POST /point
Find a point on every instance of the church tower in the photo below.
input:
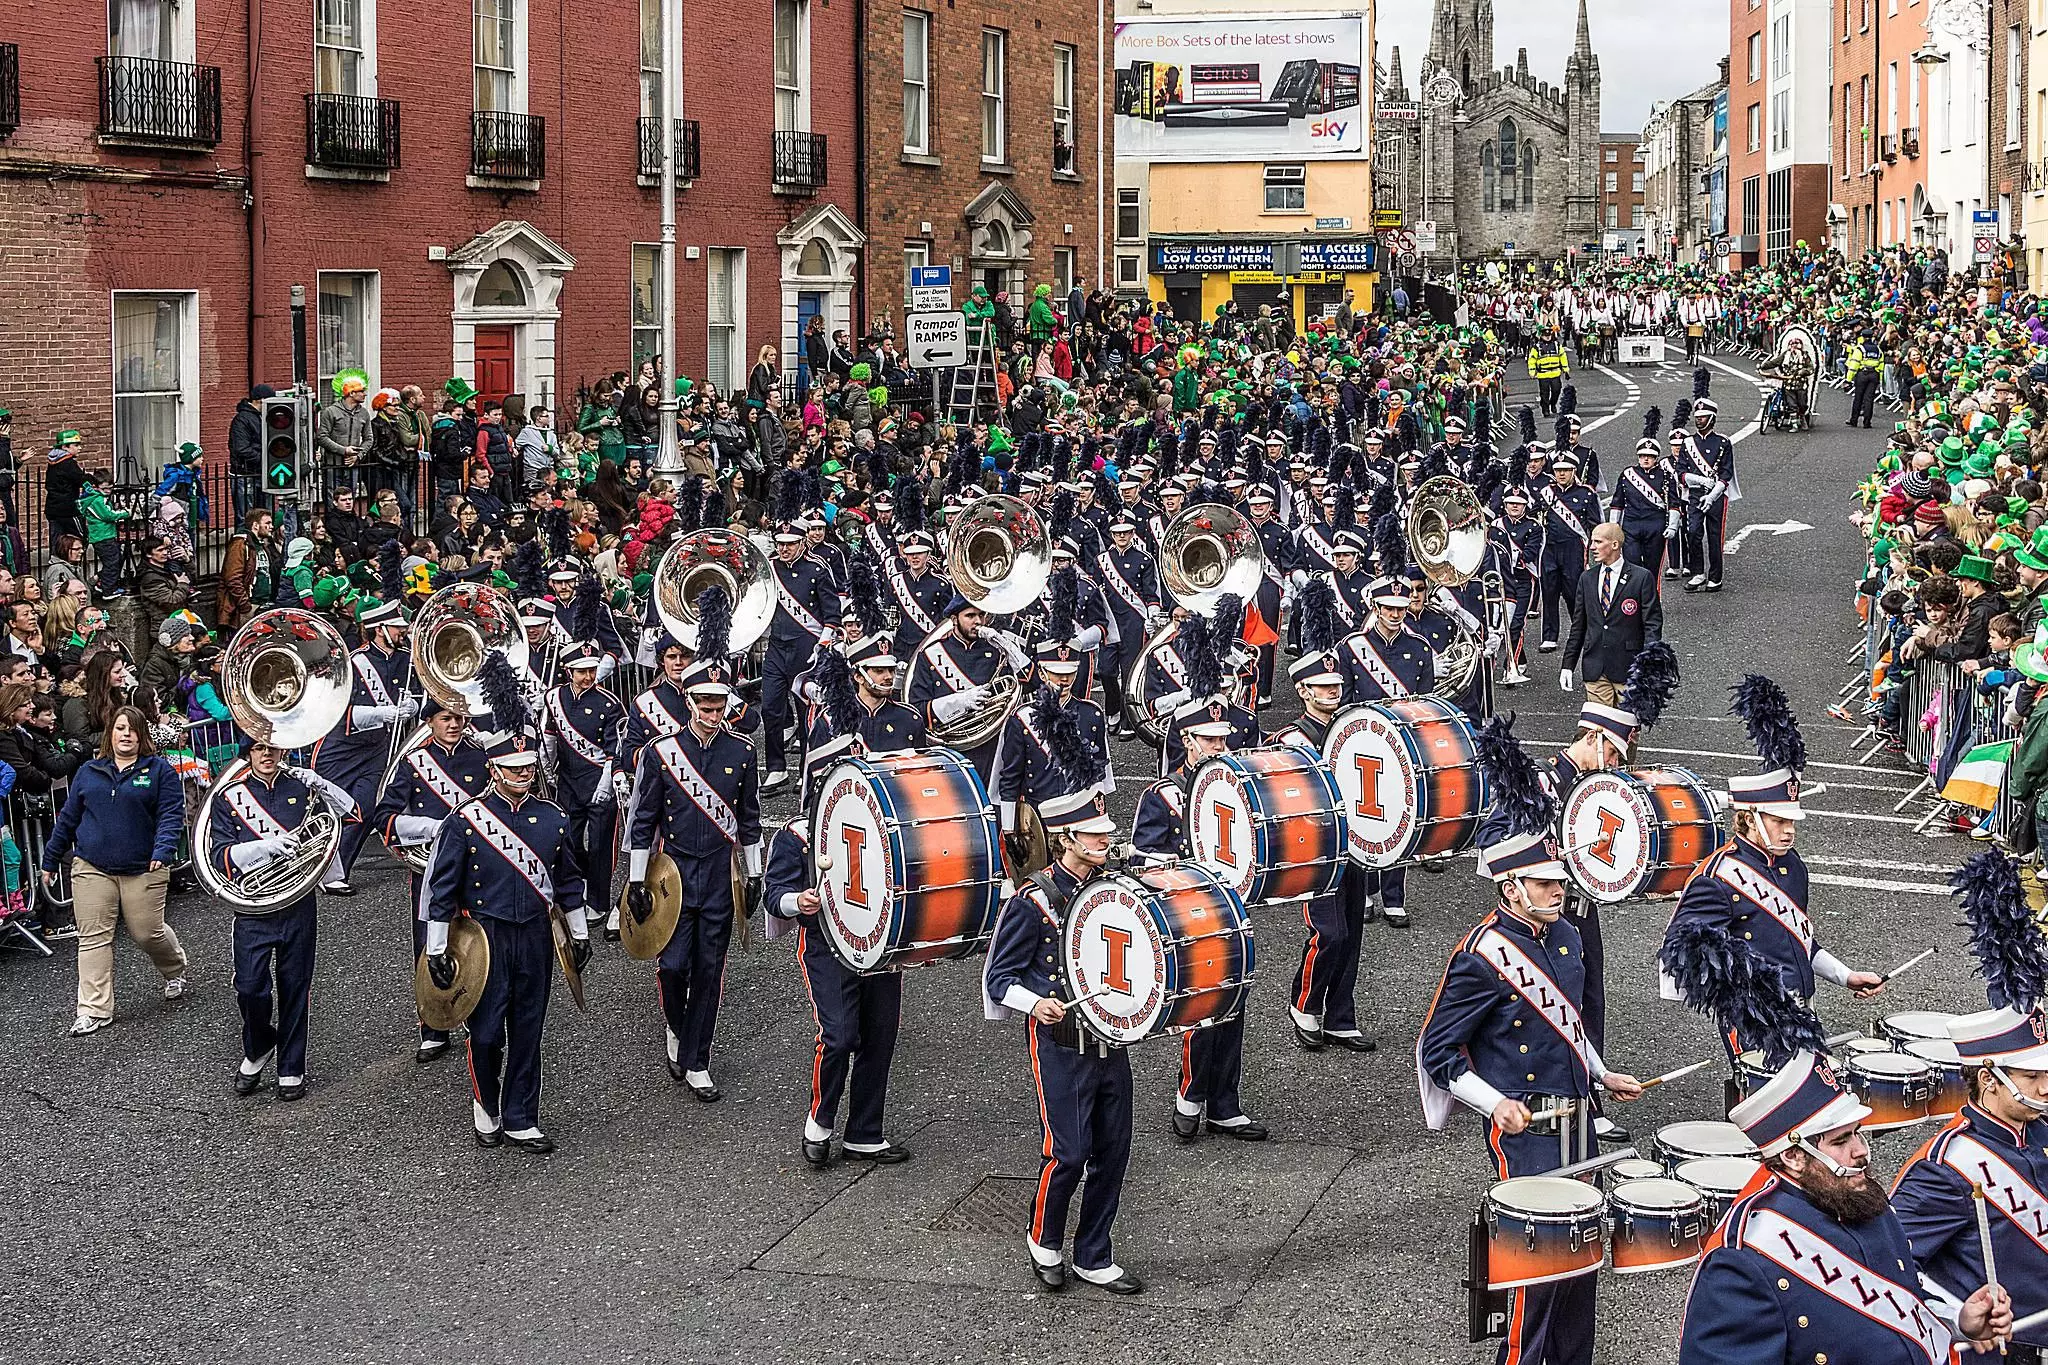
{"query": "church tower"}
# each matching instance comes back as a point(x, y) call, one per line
point(1582, 222)
point(1461, 40)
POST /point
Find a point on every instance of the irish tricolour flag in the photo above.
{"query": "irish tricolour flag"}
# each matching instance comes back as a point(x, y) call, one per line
point(1977, 779)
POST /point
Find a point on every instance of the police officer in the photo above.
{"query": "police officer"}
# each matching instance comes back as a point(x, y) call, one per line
point(1570, 511)
point(1549, 366)
point(585, 728)
point(426, 787)
point(502, 859)
point(1709, 477)
point(1865, 370)
point(1130, 583)
point(254, 821)
point(807, 598)
point(953, 672)
point(699, 790)
point(1379, 662)
point(1084, 1083)
point(355, 754)
point(1646, 504)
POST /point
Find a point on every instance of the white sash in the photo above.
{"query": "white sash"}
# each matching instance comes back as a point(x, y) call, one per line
point(2008, 1190)
point(372, 680)
point(657, 716)
point(1825, 1268)
point(1642, 485)
point(796, 609)
point(951, 674)
point(698, 788)
point(582, 745)
point(429, 771)
point(244, 804)
point(1760, 891)
point(1563, 513)
point(523, 859)
point(1118, 584)
point(905, 598)
point(1176, 799)
point(1534, 985)
point(1170, 663)
point(1700, 462)
point(1313, 538)
point(1375, 665)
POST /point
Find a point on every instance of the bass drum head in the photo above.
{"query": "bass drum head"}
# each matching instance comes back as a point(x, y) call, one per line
point(1222, 834)
point(1374, 765)
point(850, 838)
point(1608, 824)
point(1115, 957)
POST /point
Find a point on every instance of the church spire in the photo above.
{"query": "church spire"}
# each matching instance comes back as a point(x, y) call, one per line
point(1583, 49)
point(1583, 64)
point(1394, 81)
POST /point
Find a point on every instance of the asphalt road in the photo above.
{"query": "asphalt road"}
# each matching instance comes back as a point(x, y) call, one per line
point(154, 1214)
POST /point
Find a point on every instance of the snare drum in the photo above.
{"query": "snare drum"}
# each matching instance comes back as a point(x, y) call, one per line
point(1720, 1181)
point(1654, 1224)
point(1635, 1168)
point(1951, 1081)
point(1750, 1071)
point(1541, 1228)
point(1156, 952)
point(1269, 823)
point(1897, 1086)
point(1915, 1026)
point(1681, 1142)
point(908, 869)
point(1409, 774)
point(1863, 1047)
point(1641, 833)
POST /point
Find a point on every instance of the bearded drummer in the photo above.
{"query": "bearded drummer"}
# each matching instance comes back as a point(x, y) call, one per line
point(699, 791)
point(1211, 1059)
point(425, 788)
point(1506, 1038)
point(1384, 661)
point(353, 757)
point(1084, 1082)
point(954, 672)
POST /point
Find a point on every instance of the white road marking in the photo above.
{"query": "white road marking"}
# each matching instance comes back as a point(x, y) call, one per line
point(1635, 394)
point(1751, 757)
point(1873, 884)
point(1858, 815)
point(1776, 528)
point(1818, 860)
point(1739, 437)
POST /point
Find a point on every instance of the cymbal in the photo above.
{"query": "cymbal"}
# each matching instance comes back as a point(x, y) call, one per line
point(644, 940)
point(471, 949)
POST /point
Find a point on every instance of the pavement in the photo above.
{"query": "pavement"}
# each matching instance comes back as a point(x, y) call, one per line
point(157, 1215)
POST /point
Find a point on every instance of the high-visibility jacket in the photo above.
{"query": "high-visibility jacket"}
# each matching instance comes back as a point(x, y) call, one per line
point(1548, 363)
point(1865, 356)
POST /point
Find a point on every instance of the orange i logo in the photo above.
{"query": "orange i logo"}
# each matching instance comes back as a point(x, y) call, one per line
point(1116, 945)
point(855, 840)
point(1226, 825)
point(1369, 807)
point(1603, 846)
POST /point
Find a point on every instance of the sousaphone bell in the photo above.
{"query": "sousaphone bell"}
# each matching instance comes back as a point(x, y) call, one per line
point(715, 558)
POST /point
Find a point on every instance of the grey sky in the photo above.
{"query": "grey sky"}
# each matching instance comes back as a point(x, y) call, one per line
point(1649, 50)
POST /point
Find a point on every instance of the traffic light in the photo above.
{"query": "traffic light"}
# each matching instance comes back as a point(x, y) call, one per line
point(287, 433)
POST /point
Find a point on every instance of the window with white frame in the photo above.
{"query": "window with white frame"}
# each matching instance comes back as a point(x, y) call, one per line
point(342, 54)
point(1891, 99)
point(1635, 215)
point(497, 72)
point(1614, 215)
point(1756, 56)
point(917, 46)
point(347, 308)
point(1127, 272)
point(1635, 182)
point(725, 311)
point(995, 133)
point(1781, 120)
point(792, 66)
point(156, 380)
point(156, 29)
point(2014, 57)
point(1062, 275)
point(647, 302)
point(1781, 46)
point(650, 58)
point(1286, 189)
point(1062, 107)
point(916, 255)
point(1756, 127)
point(1613, 182)
point(1127, 215)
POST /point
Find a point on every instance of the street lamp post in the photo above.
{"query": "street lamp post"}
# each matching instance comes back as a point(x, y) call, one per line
point(668, 455)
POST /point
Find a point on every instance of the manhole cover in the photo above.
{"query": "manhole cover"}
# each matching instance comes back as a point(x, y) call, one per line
point(997, 1203)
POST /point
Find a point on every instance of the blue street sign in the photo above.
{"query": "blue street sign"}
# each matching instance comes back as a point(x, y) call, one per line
point(931, 276)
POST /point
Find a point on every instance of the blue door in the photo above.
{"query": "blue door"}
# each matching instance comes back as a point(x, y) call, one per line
point(810, 303)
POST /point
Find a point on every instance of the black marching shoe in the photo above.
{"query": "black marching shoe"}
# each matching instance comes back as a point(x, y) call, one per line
point(675, 1071)
point(494, 1138)
point(1053, 1277)
point(1352, 1042)
point(1396, 916)
point(708, 1094)
point(1122, 1286)
point(290, 1091)
point(1187, 1126)
point(611, 935)
point(539, 1142)
point(818, 1154)
point(889, 1155)
point(429, 1049)
point(1607, 1130)
point(245, 1084)
point(1308, 1040)
point(1243, 1132)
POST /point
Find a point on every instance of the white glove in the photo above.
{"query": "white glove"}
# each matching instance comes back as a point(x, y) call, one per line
point(414, 829)
point(950, 708)
point(1670, 525)
point(374, 717)
point(251, 854)
point(1020, 657)
point(407, 707)
point(1087, 638)
point(1565, 681)
point(1157, 619)
point(1714, 495)
point(1496, 644)
point(1299, 578)
point(622, 786)
point(1698, 481)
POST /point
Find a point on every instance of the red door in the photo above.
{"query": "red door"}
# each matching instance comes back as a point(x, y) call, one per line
point(494, 377)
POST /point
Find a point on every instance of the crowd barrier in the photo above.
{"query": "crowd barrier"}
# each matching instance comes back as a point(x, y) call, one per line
point(1940, 712)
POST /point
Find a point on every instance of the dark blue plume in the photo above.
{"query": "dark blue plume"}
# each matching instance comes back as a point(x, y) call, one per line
point(1519, 802)
point(690, 505)
point(1059, 520)
point(714, 623)
point(1196, 643)
point(789, 495)
point(864, 592)
point(1767, 715)
point(1527, 417)
point(836, 694)
point(1390, 540)
point(1652, 677)
point(502, 694)
point(584, 605)
point(1568, 401)
point(1345, 511)
point(529, 570)
point(1653, 423)
point(1728, 980)
point(1062, 600)
point(1701, 383)
point(2012, 955)
point(1318, 605)
point(390, 561)
point(910, 506)
point(1077, 760)
point(1681, 414)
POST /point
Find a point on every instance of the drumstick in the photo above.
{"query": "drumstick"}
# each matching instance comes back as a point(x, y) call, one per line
point(2029, 1323)
point(1555, 1111)
point(1909, 962)
point(1984, 1242)
point(1675, 1075)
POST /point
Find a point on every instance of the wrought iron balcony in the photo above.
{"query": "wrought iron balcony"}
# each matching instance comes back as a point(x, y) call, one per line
point(351, 132)
point(507, 146)
point(146, 100)
point(10, 88)
point(799, 161)
point(687, 164)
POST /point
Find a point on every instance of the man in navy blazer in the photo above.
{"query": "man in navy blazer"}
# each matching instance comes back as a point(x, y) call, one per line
point(1615, 613)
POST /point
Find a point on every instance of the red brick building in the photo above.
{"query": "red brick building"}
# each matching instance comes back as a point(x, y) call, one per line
point(1621, 190)
point(488, 214)
point(984, 147)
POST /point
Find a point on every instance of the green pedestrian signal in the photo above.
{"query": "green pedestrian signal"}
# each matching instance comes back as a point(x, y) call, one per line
point(284, 427)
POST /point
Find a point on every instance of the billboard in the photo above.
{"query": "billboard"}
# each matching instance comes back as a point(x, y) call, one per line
point(1241, 88)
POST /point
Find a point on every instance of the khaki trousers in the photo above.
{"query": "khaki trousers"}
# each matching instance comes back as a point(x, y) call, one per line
point(1603, 693)
point(99, 900)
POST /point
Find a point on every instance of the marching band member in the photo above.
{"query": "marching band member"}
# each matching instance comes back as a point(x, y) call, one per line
point(1709, 475)
point(354, 756)
point(1568, 442)
point(426, 787)
point(1505, 1037)
point(1999, 1141)
point(1646, 501)
point(857, 708)
point(584, 725)
point(1814, 1263)
point(806, 597)
point(661, 709)
point(544, 640)
point(699, 790)
point(953, 669)
point(1130, 581)
point(254, 819)
point(503, 859)
point(1201, 663)
point(1278, 545)
point(1570, 511)
point(921, 590)
point(1059, 739)
point(1384, 661)
point(1084, 1083)
point(1211, 1059)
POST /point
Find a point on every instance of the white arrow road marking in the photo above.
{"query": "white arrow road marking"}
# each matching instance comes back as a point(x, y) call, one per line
point(1873, 884)
point(1776, 528)
point(1634, 393)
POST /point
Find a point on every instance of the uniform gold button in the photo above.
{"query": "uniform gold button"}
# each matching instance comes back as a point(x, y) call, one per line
point(1518, 1023)
point(1747, 934)
point(1525, 1047)
point(1784, 1283)
point(1532, 1075)
point(1820, 1358)
point(1802, 1319)
point(1563, 951)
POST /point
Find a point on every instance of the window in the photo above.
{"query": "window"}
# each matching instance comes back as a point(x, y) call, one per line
point(1286, 189)
point(792, 66)
point(1062, 275)
point(2013, 58)
point(1635, 183)
point(650, 59)
point(1613, 182)
point(1528, 174)
point(1062, 108)
point(1127, 272)
point(725, 311)
point(499, 287)
point(341, 64)
point(1486, 174)
point(1781, 120)
point(1612, 156)
point(1756, 127)
point(347, 312)
point(1781, 47)
point(1614, 215)
point(1848, 136)
point(1509, 148)
point(1635, 215)
point(1127, 215)
point(156, 369)
point(1752, 206)
point(916, 255)
point(147, 28)
point(1756, 56)
point(994, 83)
point(647, 303)
point(917, 45)
point(1913, 96)
point(1891, 99)
point(497, 75)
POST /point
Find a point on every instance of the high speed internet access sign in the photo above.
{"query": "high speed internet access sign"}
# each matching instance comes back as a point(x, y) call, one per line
point(935, 339)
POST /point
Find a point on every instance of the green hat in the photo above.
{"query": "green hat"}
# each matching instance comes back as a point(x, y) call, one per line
point(189, 453)
point(6, 414)
point(1042, 291)
point(1978, 466)
point(2028, 657)
point(999, 442)
point(684, 384)
point(459, 389)
point(2034, 554)
point(1952, 452)
point(641, 583)
point(1976, 568)
point(861, 371)
point(69, 438)
point(341, 382)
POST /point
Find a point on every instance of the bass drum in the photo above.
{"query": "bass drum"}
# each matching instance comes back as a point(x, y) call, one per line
point(908, 870)
point(1638, 834)
point(1269, 823)
point(1409, 774)
point(1156, 952)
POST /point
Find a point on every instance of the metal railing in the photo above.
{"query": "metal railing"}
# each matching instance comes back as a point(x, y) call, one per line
point(10, 88)
point(1930, 714)
point(351, 132)
point(146, 100)
point(799, 161)
point(507, 146)
point(687, 164)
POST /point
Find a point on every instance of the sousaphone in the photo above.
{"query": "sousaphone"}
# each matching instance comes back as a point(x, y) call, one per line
point(1447, 537)
point(715, 558)
point(999, 554)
